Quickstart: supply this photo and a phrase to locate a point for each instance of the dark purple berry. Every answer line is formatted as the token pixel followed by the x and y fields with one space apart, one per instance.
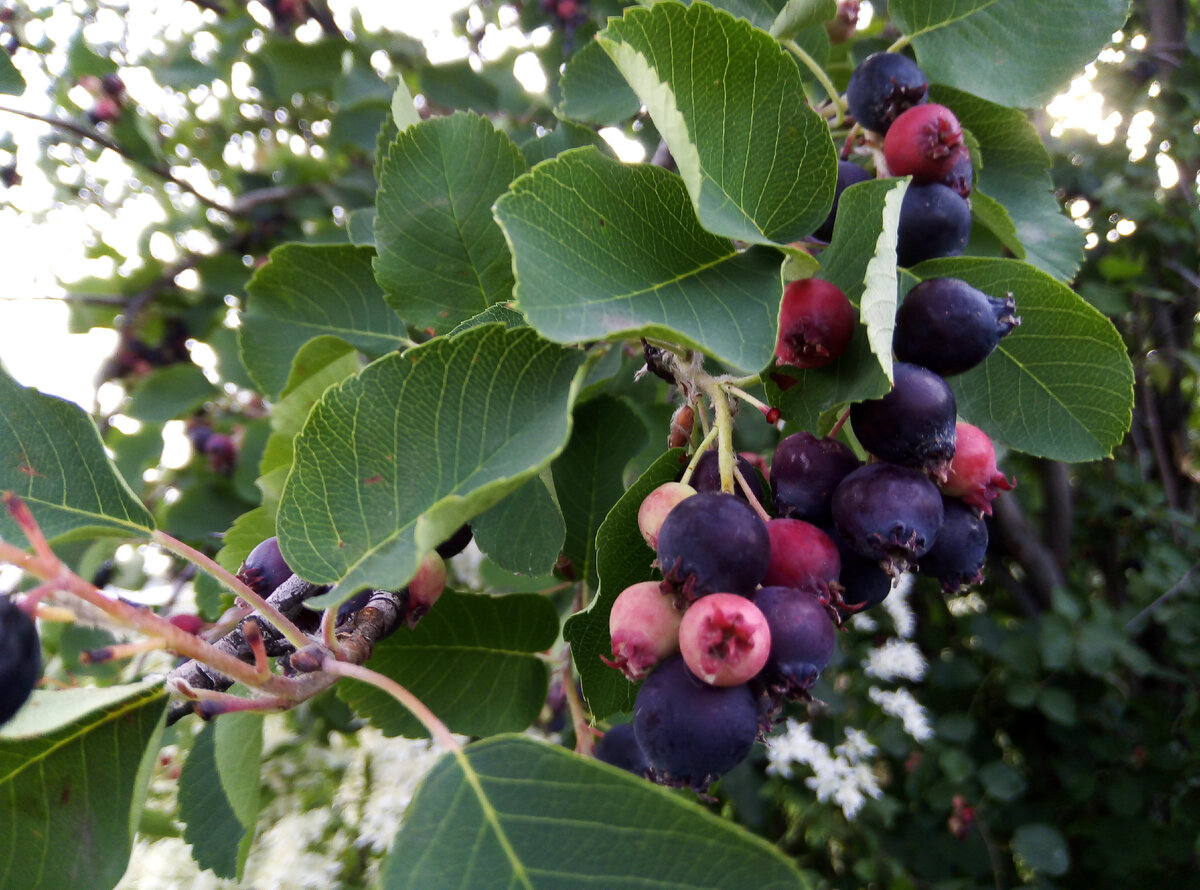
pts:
pixel 864 582
pixel 712 543
pixel 265 568
pixel 883 86
pixel 949 327
pixel 456 543
pixel 707 476
pixel 961 178
pixel 913 425
pixel 803 637
pixel 889 514
pixel 20 658
pixel 112 84
pixel 848 174
pixel 804 472
pixel 619 747
pixel 690 732
pixel 355 604
pixel 222 453
pixel 934 222
pixel 198 434
pixel 956 557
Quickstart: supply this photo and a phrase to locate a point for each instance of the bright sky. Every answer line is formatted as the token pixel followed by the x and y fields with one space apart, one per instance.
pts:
pixel 34 345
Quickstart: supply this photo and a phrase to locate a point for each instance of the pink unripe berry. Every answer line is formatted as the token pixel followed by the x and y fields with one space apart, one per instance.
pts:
pixel 800 554
pixel 923 141
pixel 425 587
pixel 816 322
pixel 644 626
pixel 973 474
pixel 724 639
pixel 657 505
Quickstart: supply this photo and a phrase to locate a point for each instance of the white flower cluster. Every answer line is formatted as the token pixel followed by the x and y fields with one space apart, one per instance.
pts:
pixel 842 775
pixel 902 705
pixel 895 660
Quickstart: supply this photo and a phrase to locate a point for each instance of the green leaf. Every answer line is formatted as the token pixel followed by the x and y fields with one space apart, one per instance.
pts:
pixel 393 460
pixel 861 260
pixel 239 745
pixel 473 660
pixel 52 457
pixel 1059 386
pixel 12 83
pixel 565 136
pixel 797 15
pixel 299 67
pixel 991 214
pixel 170 392
pixel 758 162
pixel 524 533
pixel 594 91
pixel 622 558
pixel 499 312
pixel 604 250
pixel 404 113
pixel 1001 781
pixel 589 474
pixel 442 259
pixel 1015 52
pixel 1015 171
pixel 360 226
pixel 211 825
pixel 1042 848
pixel 74 765
pixel 307 291
pixel 493 89
pixel 514 812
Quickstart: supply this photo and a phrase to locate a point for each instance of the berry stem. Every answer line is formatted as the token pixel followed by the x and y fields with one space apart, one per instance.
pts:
pixel 819 73
pixel 686 478
pixel 435 727
pixel 902 41
pixel 751 498
pixel 771 414
pixel 837 427
pixel 291 633
pixel 724 427
pixel 585 741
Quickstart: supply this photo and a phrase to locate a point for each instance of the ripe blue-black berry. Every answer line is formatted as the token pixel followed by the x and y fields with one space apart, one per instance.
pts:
pixel 956 557
pixel 690 732
pixel 864 583
pixel 883 86
pixel 712 543
pixel 913 425
pixel 803 637
pixel 888 513
pixel 455 544
pixel 20 658
pixel 949 327
pixel 804 472
pixel 934 222
pixel 848 174
pixel 707 476
pixel 265 568
pixel 619 747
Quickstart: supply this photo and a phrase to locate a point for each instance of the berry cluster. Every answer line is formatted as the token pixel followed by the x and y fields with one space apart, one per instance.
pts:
pixel 910 136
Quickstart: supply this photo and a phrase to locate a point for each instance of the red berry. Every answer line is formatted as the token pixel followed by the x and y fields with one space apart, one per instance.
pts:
pixel 724 639
pixel 800 554
pixel 923 141
pixel 425 587
pixel 816 322
pixel 644 627
pixel 973 474
pixel 191 624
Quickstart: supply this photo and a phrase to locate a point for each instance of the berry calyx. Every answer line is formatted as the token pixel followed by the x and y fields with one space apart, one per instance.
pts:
pixel 692 733
pixel 948 326
pixel 712 543
pixel 973 474
pixel 264 568
pixel 20 658
pixel 923 142
pixel 724 639
pixel 644 628
pixel 961 177
pixel 816 323
pixel 913 425
pixel 883 86
pixel 888 513
pixel 657 505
